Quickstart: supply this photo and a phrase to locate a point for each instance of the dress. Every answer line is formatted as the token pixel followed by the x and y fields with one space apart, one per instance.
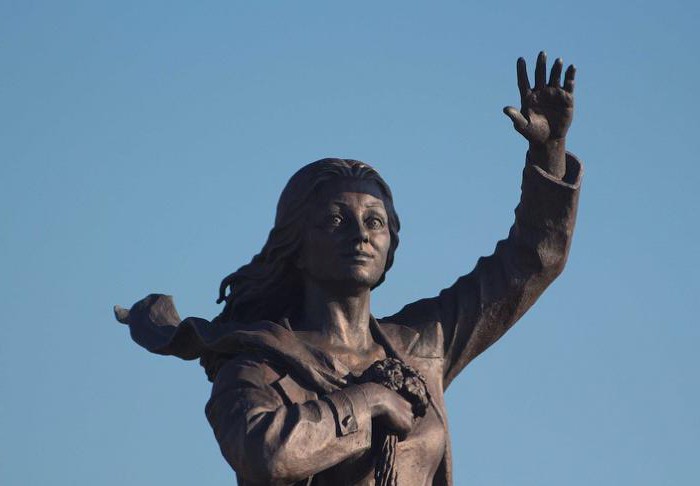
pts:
pixel 284 412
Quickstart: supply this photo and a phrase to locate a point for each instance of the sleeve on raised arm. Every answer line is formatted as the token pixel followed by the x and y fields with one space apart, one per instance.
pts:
pixel 269 439
pixel 482 305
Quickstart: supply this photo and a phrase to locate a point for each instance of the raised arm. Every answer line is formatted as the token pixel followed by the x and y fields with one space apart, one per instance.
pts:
pixel 482 305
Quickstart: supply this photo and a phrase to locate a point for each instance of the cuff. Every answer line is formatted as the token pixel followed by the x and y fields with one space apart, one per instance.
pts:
pixel 572 176
pixel 350 410
pixel 546 201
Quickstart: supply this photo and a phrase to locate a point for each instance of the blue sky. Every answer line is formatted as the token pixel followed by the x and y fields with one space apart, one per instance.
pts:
pixel 143 146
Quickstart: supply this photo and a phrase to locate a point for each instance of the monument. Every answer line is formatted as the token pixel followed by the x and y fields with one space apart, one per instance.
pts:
pixel 308 387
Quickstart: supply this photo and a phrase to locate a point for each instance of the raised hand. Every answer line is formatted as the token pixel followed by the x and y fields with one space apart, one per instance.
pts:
pixel 546 113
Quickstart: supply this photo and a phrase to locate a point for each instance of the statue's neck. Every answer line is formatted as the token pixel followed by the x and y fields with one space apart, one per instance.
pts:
pixel 336 318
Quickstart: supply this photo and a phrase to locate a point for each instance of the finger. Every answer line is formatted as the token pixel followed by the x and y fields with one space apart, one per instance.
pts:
pixel 541 70
pixel 569 78
pixel 555 74
pixel 121 314
pixel 523 82
pixel 519 121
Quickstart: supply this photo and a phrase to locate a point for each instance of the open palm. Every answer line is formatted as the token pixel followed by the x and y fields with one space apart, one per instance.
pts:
pixel 547 109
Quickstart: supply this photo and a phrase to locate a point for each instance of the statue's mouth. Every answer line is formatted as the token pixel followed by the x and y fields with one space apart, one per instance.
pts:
pixel 359 256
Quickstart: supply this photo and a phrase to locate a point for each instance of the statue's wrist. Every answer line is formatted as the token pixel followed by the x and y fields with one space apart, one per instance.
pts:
pixel 549 156
pixel 372 393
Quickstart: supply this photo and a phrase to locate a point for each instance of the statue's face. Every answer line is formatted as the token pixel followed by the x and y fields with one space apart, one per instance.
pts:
pixel 347 236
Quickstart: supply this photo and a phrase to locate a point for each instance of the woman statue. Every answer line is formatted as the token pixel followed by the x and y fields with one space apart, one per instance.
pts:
pixel 308 387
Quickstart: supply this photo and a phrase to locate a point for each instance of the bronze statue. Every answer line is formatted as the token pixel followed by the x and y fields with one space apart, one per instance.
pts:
pixel 308 387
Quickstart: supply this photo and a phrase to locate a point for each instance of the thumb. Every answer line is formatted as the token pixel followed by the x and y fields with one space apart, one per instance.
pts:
pixel 519 121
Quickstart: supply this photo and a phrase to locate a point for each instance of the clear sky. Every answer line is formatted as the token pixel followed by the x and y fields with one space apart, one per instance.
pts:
pixel 143 146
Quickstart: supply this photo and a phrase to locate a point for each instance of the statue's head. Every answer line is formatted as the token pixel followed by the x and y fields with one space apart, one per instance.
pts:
pixel 335 222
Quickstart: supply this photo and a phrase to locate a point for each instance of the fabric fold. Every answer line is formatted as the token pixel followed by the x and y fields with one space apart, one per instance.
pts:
pixel 155 325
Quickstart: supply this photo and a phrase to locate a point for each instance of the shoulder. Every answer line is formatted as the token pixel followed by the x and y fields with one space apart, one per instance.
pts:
pixel 244 371
pixel 251 375
pixel 423 338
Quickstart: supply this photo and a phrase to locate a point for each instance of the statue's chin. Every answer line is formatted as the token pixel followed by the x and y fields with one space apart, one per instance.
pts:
pixel 354 281
pixel 360 275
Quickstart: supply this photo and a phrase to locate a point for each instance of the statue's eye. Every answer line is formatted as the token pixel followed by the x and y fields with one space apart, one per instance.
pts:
pixel 335 220
pixel 374 223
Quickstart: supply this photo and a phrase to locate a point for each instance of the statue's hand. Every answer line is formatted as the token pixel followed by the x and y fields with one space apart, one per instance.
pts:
pixel 390 409
pixel 546 112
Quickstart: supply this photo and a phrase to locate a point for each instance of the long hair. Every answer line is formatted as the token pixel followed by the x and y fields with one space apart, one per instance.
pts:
pixel 270 286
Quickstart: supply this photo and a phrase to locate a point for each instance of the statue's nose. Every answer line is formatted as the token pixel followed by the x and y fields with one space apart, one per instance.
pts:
pixel 360 233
